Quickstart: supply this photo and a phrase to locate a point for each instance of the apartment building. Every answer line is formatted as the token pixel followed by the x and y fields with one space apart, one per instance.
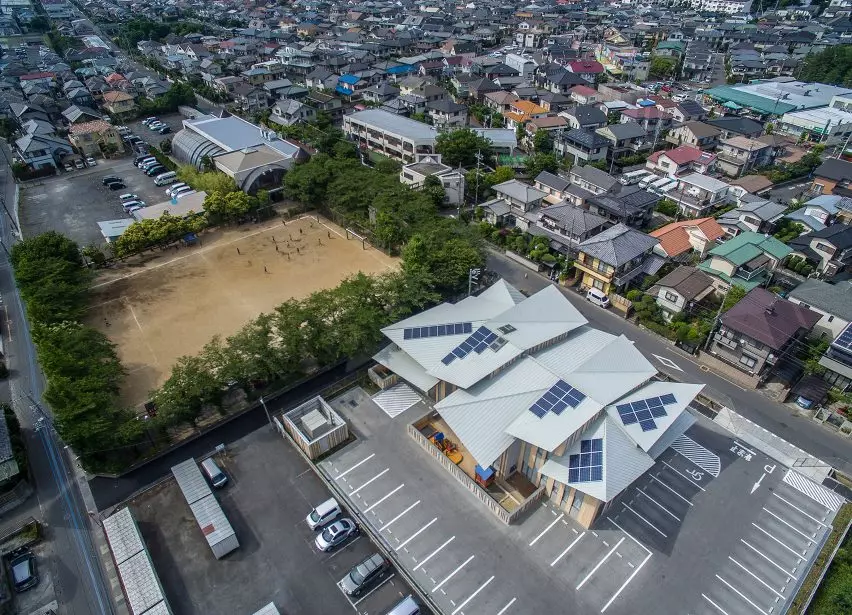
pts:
pixel 395 136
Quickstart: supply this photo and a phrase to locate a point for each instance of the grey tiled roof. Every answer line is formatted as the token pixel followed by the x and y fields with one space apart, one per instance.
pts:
pixel 594 176
pixel 552 181
pixel 836 299
pixel 575 220
pixel 586 138
pixel 628 130
pixel 618 245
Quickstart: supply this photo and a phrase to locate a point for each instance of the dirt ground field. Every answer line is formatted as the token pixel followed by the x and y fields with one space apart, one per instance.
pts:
pixel 177 301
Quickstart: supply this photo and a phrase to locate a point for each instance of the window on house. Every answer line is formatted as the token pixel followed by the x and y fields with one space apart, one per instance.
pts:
pixel 748 361
pixel 830 318
pixel 671 297
pixel 576 503
pixel 597 284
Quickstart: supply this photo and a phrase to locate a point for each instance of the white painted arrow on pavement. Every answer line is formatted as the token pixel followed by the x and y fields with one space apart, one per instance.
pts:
pixel 757 484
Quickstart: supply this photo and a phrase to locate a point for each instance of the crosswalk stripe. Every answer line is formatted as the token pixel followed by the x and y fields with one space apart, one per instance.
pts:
pixel 816 492
pixel 697 454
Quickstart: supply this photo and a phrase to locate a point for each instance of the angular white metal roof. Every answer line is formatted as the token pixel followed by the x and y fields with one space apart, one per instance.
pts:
pixel 684 394
pixel 405 367
pixel 623 461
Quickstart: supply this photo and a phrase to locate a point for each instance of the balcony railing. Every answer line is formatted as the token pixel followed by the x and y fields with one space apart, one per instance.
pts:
pixel 624 278
pixel 727 342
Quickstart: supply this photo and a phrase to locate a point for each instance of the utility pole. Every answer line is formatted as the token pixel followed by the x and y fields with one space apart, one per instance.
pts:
pixel 478 162
pixel 265 409
pixel 472 276
pixel 11 218
pixel 716 319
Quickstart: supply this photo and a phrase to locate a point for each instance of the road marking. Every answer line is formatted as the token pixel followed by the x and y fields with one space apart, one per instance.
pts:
pixel 667 362
pixel 701 456
pixel 375 478
pixel 670 489
pixel 629 535
pixel 416 534
pixel 627 506
pixel 452 574
pixel 342 548
pixel 663 508
pixel 547 529
pixel 473 595
pixel 363 461
pixel 434 553
pixel 600 563
pixel 384 498
pixel 766 557
pixel 364 597
pixel 506 608
pixel 395 519
pixel 626 583
pixel 720 609
pixel 756 486
pixel 801 533
pixel 740 445
pixel 561 555
pixel 741 595
pixel 790 549
pixel 683 476
pixel 757 578
pixel 793 506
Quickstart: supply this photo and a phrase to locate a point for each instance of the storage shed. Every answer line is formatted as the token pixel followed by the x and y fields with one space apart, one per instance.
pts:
pixel 315 427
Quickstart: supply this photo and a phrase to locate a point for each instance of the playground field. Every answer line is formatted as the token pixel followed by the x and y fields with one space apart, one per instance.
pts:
pixel 175 301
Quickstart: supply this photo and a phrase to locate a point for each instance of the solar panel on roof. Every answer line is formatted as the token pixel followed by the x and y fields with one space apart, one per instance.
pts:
pixel 448 359
pixel 456 328
pixel 644 411
pixel 588 465
pixel 558 397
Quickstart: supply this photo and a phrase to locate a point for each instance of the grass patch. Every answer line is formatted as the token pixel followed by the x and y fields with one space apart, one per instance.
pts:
pixel 834 580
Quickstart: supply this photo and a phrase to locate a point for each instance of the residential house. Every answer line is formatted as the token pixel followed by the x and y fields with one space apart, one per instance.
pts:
pixel 626 139
pixel 522 111
pixel 79 115
pixel 832 301
pixel 515 204
pixel 833 176
pixel 820 211
pixel 582 146
pixel 680 240
pixel 837 360
pixel 446 114
pixel 325 103
pixel 758 216
pixel 379 93
pixel 250 98
pixel 687 111
pixel 628 205
pixel 567 225
pixel 680 160
pixel 697 195
pixel 612 259
pixel 552 124
pixel 429 165
pixel 583 95
pixel 737 156
pixel 828 250
pixel 654 121
pixel 592 179
pixel 554 185
pixel 118 103
pixel 536 346
pixel 757 333
pixel 589 70
pixel 680 290
pixel 500 101
pixel 92 138
pixel 696 134
pixel 587 117
pixel 39 151
pixel 748 260
pixel 288 112
pixel 732 126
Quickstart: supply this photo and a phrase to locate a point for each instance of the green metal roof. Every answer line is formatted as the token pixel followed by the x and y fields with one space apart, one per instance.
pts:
pixel 727 93
pixel 754 243
pixel 745 284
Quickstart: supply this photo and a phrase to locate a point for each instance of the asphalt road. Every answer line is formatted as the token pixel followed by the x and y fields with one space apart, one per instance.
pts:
pixel 776 418
pixel 76 571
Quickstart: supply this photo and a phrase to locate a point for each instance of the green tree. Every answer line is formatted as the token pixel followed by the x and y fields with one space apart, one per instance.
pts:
pixel 443 255
pixel 832 66
pixel 459 147
pixel 734 295
pixel 662 67
pixel 307 182
pixel 542 141
pixel 541 162
pixel 183 395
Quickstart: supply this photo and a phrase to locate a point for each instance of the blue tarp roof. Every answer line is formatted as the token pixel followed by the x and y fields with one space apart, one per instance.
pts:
pixel 350 79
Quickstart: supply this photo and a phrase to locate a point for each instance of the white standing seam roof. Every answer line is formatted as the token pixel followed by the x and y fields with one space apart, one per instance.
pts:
pixel 212 520
pixel 191 481
pixel 269 609
pixel 684 394
pixel 123 535
pixel 161 608
pixel 623 461
pixel 406 368
pixel 140 583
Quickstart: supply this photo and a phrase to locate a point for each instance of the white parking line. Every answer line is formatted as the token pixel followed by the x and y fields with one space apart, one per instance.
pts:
pixel 626 583
pixel 473 595
pixel 561 555
pixel 718 608
pixel 794 507
pixel 790 549
pixel 669 488
pixel 364 597
pixel 506 608
pixel 654 527
pixel 676 471
pixel 757 578
pixel 546 530
pixel 663 508
pixel 629 535
pixel 384 498
pixel 363 461
pixel 375 478
pixel 395 519
pixel 342 549
pixel 810 539
pixel 416 534
pixel 741 595
pixel 452 574
pixel 766 557
pixel 600 563
pixel 435 552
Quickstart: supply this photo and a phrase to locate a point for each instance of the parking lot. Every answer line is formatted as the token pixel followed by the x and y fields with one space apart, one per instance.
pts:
pixel 172 120
pixel 75 202
pixel 712 525
pixel 277 561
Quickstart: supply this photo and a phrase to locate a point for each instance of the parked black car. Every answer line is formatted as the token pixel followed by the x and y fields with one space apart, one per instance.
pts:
pixel 116 185
pixel 22 563
pixel 109 179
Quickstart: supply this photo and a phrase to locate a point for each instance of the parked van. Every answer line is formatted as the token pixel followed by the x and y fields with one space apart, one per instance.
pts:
pixel 646 181
pixel 172 189
pixel 180 195
pixel 407 606
pixel 164 179
pixel 214 474
pixel 667 187
pixel 597 297
pixel 628 179
pixel 655 185
pixel 143 161
pixel 323 513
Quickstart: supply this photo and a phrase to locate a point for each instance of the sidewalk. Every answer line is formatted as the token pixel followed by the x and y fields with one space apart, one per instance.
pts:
pixel 779 449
